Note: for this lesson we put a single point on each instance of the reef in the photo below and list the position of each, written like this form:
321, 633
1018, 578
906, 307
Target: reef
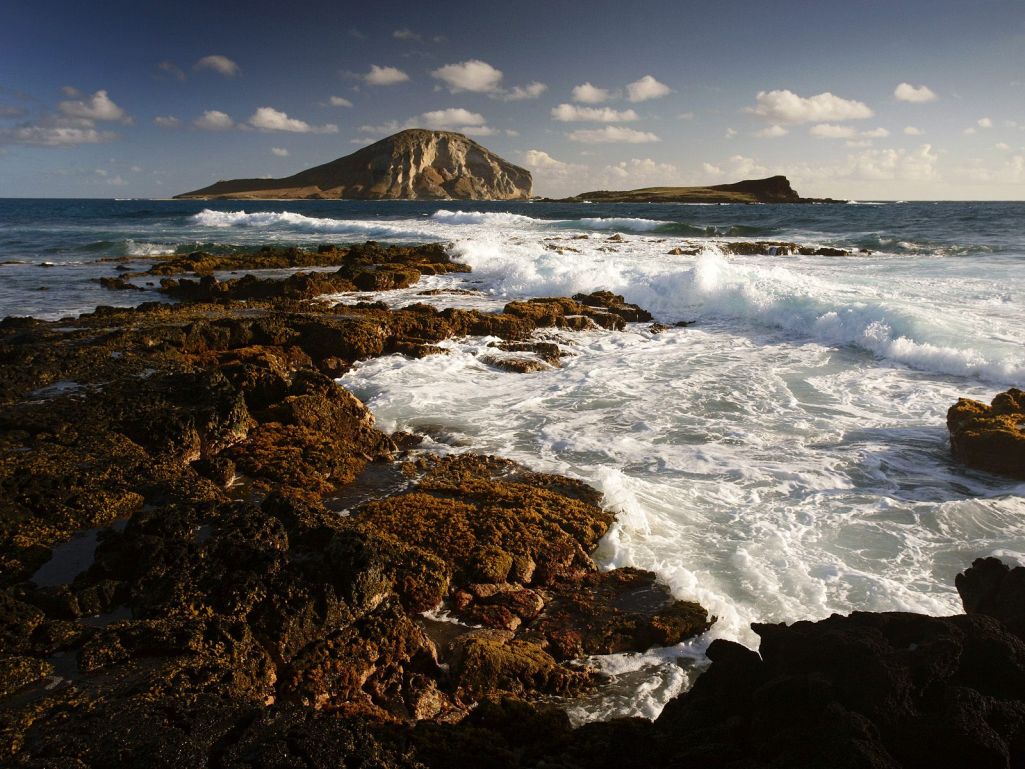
211, 556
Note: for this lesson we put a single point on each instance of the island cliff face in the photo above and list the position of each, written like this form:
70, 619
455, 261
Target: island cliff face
411, 165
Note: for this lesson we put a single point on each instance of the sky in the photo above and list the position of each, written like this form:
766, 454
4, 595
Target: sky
857, 99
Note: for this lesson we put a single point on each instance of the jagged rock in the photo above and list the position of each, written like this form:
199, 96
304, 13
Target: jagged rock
412, 164
993, 588
990, 437
616, 611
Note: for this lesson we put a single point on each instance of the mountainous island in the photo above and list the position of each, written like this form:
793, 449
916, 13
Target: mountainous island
417, 164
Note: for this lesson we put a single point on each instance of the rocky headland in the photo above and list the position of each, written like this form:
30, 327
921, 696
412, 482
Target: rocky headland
415, 164
774, 189
210, 556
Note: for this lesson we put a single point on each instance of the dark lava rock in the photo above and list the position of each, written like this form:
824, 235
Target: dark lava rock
990, 437
993, 588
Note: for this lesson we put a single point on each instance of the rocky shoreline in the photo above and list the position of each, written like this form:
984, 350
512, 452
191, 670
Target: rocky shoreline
212, 557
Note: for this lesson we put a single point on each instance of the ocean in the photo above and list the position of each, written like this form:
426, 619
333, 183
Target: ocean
782, 457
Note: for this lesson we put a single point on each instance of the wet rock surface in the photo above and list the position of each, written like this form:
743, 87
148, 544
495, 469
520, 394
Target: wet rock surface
176, 588
990, 437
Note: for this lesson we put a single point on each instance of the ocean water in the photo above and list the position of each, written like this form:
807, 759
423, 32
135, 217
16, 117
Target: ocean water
784, 457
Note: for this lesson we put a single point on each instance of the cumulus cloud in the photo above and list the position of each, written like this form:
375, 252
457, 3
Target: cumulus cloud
270, 119
610, 134
711, 170
912, 131
747, 167
471, 75
54, 135
831, 131
451, 119
570, 113
646, 88
99, 106
784, 106
281, 152
591, 94
222, 65
441, 119
407, 34
166, 121
384, 76
909, 93
522, 92
338, 101
1002, 146
643, 172
774, 131
214, 120
885, 164
539, 160
984, 122
476, 76
730, 133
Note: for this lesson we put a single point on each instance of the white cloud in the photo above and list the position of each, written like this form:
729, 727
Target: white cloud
984, 122
451, 119
591, 94
908, 92
569, 113
99, 106
643, 172
831, 131
876, 133
711, 170
730, 133
1004, 146
441, 119
214, 120
685, 116
219, 64
172, 69
785, 106
338, 101
610, 134
54, 135
886, 164
166, 121
646, 88
385, 76
471, 75
521, 92
912, 131
406, 34
539, 160
281, 152
772, 132
746, 167
969, 130
70, 91
270, 119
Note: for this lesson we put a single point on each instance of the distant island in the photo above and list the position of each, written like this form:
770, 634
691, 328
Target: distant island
775, 189
418, 164
415, 164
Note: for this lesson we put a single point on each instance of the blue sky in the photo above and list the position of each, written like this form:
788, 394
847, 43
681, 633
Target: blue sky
884, 100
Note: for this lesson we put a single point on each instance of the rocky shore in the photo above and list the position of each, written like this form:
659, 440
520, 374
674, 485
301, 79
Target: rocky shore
210, 556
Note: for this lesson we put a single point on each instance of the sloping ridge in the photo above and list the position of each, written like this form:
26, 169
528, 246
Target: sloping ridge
774, 189
410, 165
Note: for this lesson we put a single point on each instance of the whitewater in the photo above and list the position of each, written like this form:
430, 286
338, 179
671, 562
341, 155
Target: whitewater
782, 456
